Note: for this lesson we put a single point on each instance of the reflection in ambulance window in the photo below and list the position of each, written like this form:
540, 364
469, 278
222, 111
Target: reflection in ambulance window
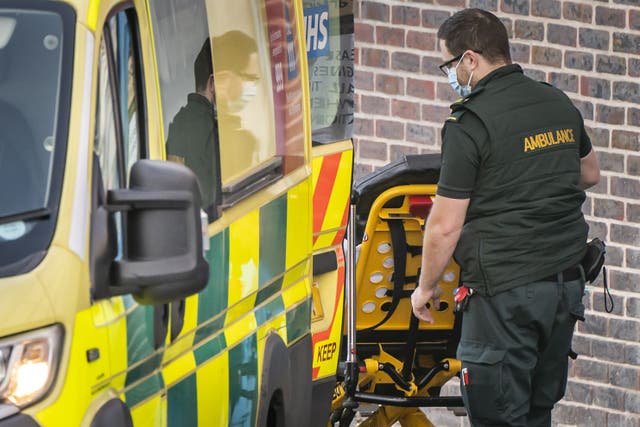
244, 93
236, 75
330, 52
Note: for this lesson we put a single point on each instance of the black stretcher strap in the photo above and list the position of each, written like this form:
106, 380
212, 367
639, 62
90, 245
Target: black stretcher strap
414, 250
399, 246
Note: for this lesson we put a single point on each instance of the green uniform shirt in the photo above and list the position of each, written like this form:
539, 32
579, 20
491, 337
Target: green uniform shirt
513, 147
193, 140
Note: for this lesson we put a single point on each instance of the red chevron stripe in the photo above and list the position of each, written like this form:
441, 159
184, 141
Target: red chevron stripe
324, 187
340, 234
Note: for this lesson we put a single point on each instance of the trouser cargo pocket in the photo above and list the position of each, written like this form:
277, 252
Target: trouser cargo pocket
482, 382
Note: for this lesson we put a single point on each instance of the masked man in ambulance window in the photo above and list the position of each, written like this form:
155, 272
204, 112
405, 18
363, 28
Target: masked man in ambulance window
237, 72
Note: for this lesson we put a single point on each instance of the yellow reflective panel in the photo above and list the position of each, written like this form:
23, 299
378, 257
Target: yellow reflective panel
296, 293
213, 404
178, 368
152, 413
244, 257
298, 224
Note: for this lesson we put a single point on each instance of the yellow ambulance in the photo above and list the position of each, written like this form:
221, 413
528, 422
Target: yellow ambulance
174, 182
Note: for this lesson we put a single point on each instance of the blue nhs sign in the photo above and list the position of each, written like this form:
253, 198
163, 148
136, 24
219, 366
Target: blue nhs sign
316, 22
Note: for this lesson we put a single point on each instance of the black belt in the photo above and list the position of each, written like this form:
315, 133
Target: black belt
571, 273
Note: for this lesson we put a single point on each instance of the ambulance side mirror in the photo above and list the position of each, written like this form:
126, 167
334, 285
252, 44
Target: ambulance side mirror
162, 256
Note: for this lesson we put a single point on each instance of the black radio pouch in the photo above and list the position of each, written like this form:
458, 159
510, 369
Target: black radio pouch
592, 264
594, 259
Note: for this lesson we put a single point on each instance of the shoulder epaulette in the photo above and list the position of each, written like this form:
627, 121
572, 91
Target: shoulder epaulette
455, 115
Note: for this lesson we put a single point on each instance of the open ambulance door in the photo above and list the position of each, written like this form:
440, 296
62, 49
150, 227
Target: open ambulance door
330, 49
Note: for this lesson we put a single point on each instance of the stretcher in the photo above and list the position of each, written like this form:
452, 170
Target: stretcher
388, 357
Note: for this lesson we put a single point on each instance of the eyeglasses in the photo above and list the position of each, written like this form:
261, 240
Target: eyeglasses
445, 66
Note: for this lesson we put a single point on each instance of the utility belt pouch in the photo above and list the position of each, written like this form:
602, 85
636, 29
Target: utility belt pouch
594, 259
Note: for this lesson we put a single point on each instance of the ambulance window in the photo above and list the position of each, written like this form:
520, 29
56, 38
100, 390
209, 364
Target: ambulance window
105, 145
183, 54
129, 86
258, 92
119, 114
330, 53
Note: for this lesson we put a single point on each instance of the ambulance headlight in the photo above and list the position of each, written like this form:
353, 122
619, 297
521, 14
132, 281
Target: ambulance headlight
28, 365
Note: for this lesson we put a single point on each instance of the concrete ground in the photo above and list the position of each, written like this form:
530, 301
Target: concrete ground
440, 417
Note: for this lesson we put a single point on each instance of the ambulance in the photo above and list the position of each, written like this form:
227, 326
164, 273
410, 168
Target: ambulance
174, 185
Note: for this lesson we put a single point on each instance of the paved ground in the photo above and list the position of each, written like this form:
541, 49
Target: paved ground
440, 417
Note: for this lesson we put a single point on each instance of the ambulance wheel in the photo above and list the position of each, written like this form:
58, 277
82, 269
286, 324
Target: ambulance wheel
113, 413
274, 393
275, 415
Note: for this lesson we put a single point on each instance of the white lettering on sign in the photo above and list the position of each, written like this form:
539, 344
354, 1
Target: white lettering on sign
316, 20
279, 77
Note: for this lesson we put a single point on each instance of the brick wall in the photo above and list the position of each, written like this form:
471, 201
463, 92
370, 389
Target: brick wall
589, 49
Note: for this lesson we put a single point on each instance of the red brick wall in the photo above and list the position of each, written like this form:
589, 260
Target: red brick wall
589, 49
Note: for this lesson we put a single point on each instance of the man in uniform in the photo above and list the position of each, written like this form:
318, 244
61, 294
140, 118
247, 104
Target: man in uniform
515, 162
193, 133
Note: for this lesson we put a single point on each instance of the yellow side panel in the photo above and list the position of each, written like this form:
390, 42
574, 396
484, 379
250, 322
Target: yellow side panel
331, 178
81, 375
113, 312
213, 396
327, 331
297, 293
244, 236
240, 329
296, 273
339, 194
298, 224
183, 343
178, 368
152, 413
324, 240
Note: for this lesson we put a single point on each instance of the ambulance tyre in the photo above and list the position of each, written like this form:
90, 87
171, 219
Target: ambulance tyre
285, 393
113, 413
275, 414
274, 392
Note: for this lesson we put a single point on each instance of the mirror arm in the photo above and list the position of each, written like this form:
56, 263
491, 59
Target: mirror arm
124, 200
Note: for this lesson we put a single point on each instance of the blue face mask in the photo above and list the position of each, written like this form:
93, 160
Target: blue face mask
463, 91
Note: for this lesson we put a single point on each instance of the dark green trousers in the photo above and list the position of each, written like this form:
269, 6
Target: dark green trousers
514, 350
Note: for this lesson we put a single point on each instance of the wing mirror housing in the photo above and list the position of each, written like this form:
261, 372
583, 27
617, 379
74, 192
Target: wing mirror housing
162, 258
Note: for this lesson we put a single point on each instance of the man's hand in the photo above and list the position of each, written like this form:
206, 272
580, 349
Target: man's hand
419, 299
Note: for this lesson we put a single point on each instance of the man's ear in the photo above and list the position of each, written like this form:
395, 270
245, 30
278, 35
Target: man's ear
473, 59
211, 85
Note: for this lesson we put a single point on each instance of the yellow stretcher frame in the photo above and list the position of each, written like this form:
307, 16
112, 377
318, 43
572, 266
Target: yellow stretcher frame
362, 376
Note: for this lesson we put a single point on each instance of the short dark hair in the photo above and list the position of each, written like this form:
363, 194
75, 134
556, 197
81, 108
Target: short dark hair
232, 51
477, 30
202, 67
